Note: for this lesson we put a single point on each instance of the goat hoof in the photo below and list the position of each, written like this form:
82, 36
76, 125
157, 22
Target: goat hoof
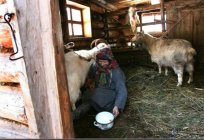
190, 81
178, 85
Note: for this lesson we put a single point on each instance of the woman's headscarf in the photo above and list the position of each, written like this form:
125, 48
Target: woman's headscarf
104, 74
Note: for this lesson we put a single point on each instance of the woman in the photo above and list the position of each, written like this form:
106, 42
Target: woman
110, 91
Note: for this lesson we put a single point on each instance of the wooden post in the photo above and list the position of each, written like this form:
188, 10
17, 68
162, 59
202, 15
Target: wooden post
41, 38
62, 4
162, 15
140, 17
64, 100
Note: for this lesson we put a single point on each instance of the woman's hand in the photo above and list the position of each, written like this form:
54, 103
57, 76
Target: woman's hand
116, 111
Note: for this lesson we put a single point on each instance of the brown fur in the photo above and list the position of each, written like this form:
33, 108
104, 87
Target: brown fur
133, 18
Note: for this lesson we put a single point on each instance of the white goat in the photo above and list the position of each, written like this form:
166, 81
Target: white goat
77, 66
175, 53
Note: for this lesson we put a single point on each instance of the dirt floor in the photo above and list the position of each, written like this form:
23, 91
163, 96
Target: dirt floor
155, 108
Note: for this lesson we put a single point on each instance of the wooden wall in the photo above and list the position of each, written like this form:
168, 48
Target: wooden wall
184, 20
17, 118
80, 43
41, 38
103, 26
191, 13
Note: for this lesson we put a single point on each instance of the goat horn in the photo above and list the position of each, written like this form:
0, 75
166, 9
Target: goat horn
97, 41
93, 43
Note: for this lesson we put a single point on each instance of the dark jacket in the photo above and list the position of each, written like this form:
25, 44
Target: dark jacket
105, 97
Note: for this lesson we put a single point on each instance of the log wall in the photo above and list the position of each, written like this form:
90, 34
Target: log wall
14, 114
184, 20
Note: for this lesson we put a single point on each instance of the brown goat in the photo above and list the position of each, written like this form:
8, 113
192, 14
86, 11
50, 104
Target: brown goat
175, 53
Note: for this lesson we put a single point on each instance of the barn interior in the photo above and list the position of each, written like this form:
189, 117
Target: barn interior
155, 108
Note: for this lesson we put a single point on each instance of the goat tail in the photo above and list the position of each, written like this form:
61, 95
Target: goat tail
191, 53
95, 42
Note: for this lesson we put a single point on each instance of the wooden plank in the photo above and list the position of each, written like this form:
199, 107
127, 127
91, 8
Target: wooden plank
8, 70
20, 65
62, 94
12, 130
8, 89
12, 104
34, 67
11, 98
3, 10
43, 54
13, 113
5, 38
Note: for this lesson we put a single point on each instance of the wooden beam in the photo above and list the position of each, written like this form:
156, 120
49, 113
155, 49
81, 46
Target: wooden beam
96, 8
105, 5
62, 93
42, 44
142, 9
128, 3
128, 26
140, 18
162, 15
63, 13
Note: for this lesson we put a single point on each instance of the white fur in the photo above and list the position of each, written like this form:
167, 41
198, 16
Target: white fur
175, 53
77, 70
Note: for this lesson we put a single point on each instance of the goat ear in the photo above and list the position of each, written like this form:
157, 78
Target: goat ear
87, 59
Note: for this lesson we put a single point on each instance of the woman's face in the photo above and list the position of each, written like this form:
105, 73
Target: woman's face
104, 63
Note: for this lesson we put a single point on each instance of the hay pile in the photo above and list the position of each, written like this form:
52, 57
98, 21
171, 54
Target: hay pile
155, 108
163, 109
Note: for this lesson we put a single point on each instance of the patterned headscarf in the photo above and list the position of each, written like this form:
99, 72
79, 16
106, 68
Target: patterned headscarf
104, 74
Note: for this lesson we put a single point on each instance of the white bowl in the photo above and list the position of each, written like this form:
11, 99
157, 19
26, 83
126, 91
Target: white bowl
104, 120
